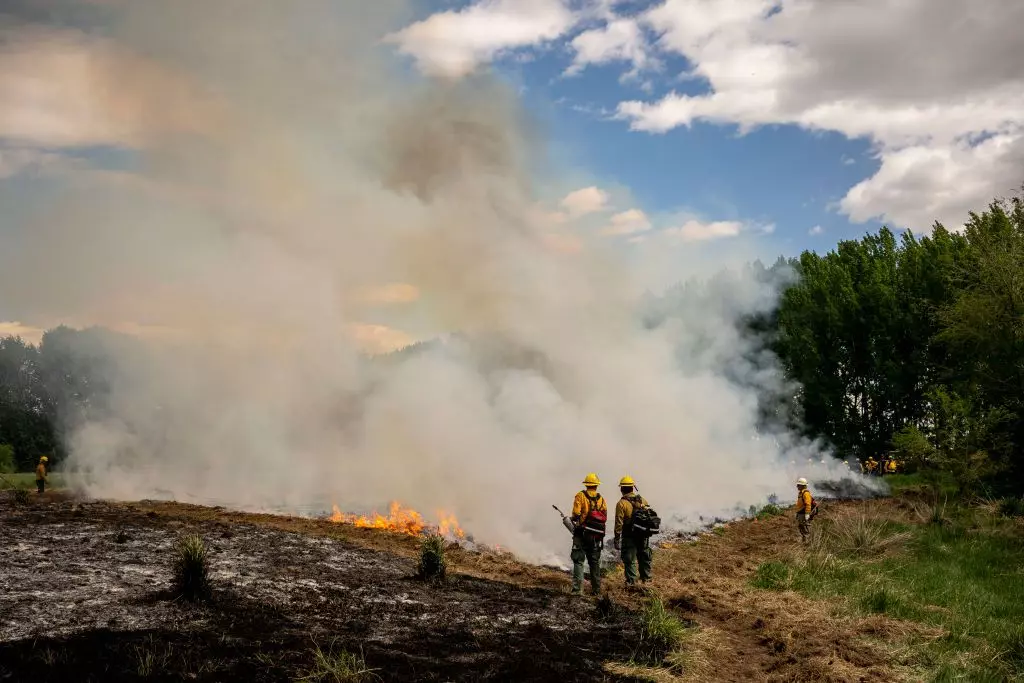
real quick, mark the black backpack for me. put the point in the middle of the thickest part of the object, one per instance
(644, 522)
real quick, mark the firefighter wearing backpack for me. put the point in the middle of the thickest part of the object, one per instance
(806, 509)
(589, 515)
(633, 542)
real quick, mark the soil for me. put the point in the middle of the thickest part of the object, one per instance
(85, 595)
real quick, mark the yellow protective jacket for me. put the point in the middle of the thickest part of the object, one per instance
(624, 511)
(40, 472)
(581, 506)
(803, 501)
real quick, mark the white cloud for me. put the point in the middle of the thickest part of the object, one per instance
(629, 222)
(585, 201)
(455, 43)
(698, 231)
(617, 40)
(816, 230)
(865, 69)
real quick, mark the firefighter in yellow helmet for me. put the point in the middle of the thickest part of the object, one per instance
(806, 508)
(589, 516)
(635, 547)
(41, 474)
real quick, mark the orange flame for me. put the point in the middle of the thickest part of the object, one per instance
(401, 520)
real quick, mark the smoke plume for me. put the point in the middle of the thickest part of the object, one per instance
(272, 189)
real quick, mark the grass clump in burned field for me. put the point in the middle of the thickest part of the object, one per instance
(955, 570)
(433, 564)
(191, 568)
(337, 666)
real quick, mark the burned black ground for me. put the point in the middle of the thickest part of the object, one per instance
(85, 596)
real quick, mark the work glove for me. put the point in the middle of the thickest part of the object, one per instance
(618, 544)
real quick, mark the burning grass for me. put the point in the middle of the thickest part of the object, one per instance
(403, 520)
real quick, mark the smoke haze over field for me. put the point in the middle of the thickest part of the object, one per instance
(274, 189)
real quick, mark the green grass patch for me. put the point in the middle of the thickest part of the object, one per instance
(773, 576)
(963, 574)
(27, 481)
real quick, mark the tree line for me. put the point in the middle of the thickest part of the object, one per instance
(913, 344)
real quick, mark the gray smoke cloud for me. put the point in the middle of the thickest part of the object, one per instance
(281, 167)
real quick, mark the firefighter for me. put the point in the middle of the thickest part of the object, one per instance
(41, 474)
(635, 548)
(890, 467)
(589, 514)
(805, 506)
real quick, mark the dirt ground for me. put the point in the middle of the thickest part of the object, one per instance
(84, 596)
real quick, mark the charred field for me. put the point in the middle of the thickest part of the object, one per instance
(87, 596)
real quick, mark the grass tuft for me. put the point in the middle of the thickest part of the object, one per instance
(21, 496)
(191, 568)
(433, 565)
(339, 666)
(862, 535)
(771, 576)
(661, 632)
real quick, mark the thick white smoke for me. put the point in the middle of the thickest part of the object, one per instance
(283, 171)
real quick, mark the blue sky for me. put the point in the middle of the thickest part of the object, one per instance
(850, 118)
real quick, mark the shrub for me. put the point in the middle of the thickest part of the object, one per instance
(432, 565)
(6, 458)
(191, 568)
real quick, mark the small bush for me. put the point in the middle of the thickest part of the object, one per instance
(21, 496)
(771, 576)
(769, 511)
(191, 568)
(432, 565)
(337, 667)
(6, 459)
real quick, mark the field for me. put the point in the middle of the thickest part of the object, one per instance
(27, 480)
(890, 590)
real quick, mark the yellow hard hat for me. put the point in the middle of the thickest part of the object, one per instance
(44, 459)
(591, 480)
(627, 481)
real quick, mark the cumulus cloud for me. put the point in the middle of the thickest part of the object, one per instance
(585, 201)
(865, 70)
(697, 231)
(618, 40)
(816, 230)
(628, 222)
(454, 43)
